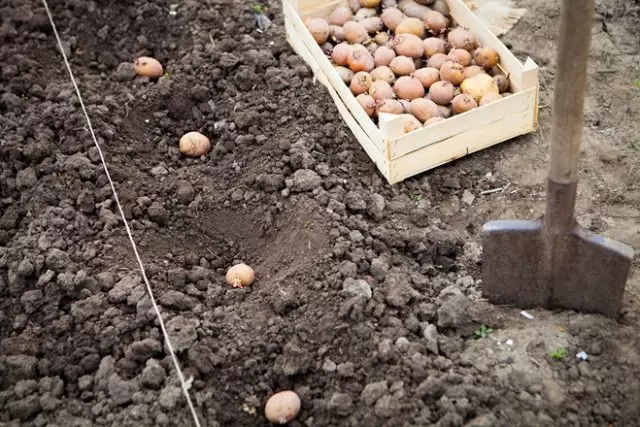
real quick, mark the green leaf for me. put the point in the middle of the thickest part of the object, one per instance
(258, 8)
(636, 83)
(483, 331)
(559, 353)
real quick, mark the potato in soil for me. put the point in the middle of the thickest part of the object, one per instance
(148, 67)
(194, 144)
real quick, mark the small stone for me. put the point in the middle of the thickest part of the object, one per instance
(386, 350)
(157, 213)
(373, 391)
(376, 206)
(140, 351)
(177, 277)
(329, 366)
(25, 268)
(121, 391)
(379, 268)
(284, 302)
(306, 180)
(430, 334)
(57, 260)
(85, 382)
(270, 182)
(169, 396)
(451, 182)
(387, 406)
(323, 169)
(356, 236)
(159, 170)
(341, 404)
(295, 360)
(23, 388)
(346, 369)
(402, 344)
(337, 207)
(485, 420)
(177, 300)
(357, 287)
(25, 408)
(88, 307)
(355, 201)
(125, 71)
(182, 332)
(468, 198)
(26, 178)
(472, 251)
(185, 192)
(32, 301)
(123, 288)
(553, 392)
(153, 375)
(455, 312)
(348, 269)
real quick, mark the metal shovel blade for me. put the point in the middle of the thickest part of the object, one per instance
(578, 270)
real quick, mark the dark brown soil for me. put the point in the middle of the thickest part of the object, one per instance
(367, 296)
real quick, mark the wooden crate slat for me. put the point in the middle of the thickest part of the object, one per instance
(369, 147)
(441, 131)
(329, 71)
(460, 145)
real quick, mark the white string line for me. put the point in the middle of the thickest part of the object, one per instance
(185, 385)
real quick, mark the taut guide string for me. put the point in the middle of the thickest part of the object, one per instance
(185, 384)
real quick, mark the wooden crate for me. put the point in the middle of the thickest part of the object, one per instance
(399, 156)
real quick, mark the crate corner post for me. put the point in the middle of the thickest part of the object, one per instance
(530, 80)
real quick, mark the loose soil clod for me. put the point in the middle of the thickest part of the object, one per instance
(369, 295)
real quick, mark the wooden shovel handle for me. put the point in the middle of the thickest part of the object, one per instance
(570, 87)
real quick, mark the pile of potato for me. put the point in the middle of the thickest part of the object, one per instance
(406, 58)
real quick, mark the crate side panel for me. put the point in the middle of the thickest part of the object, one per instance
(461, 145)
(334, 78)
(514, 104)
